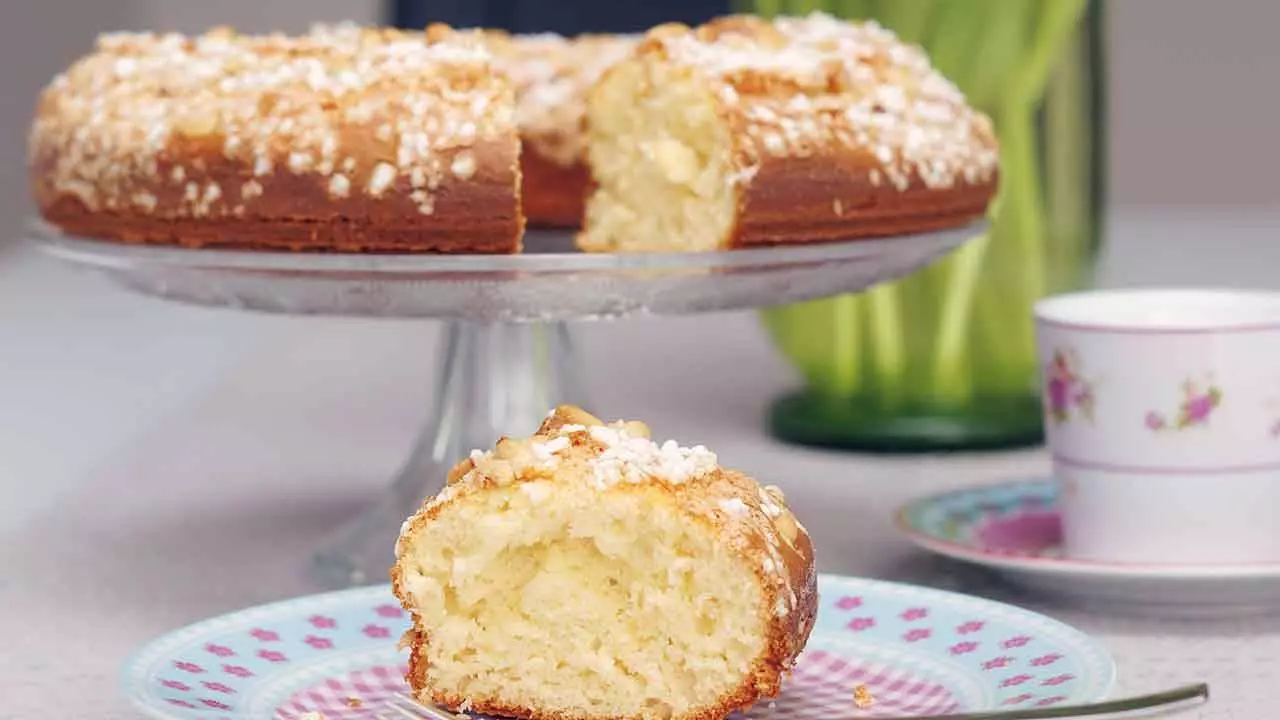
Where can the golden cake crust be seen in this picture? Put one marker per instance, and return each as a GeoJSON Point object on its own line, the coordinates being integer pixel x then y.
{"type": "Point", "coordinates": [754, 521]}
{"type": "Point", "coordinates": [839, 130]}
{"type": "Point", "coordinates": [343, 139]}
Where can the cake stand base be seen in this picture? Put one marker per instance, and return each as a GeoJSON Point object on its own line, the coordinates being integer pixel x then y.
{"type": "Point", "coordinates": [851, 424]}
{"type": "Point", "coordinates": [492, 380]}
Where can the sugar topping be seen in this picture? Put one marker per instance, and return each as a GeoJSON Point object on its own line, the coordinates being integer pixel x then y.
{"type": "Point", "coordinates": [552, 75]}
{"type": "Point", "coordinates": [638, 459]}
{"type": "Point", "coordinates": [547, 451]}
{"type": "Point", "coordinates": [735, 507]}
{"type": "Point", "coordinates": [622, 457]}
{"type": "Point", "coordinates": [803, 83]}
{"type": "Point", "coordinates": [361, 110]}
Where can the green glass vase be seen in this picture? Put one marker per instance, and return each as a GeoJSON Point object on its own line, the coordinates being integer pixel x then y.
{"type": "Point", "coordinates": [945, 359]}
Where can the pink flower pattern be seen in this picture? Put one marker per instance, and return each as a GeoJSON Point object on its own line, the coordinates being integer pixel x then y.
{"type": "Point", "coordinates": [237, 671]}
{"type": "Point", "coordinates": [219, 650]}
{"type": "Point", "coordinates": [1058, 679]}
{"type": "Point", "coordinates": [175, 685]}
{"type": "Point", "coordinates": [180, 703]}
{"type": "Point", "coordinates": [215, 704]}
{"type": "Point", "coordinates": [1044, 660]}
{"type": "Point", "coordinates": [264, 635]}
{"type": "Point", "coordinates": [1015, 680]}
{"type": "Point", "coordinates": [999, 662]}
{"type": "Point", "coordinates": [849, 603]}
{"type": "Point", "coordinates": [188, 667]}
{"type": "Point", "coordinates": [1018, 699]}
{"type": "Point", "coordinates": [963, 648]}
{"type": "Point", "coordinates": [389, 611]}
{"type": "Point", "coordinates": [1045, 702]}
{"type": "Point", "coordinates": [1015, 642]}
{"type": "Point", "coordinates": [1065, 391]}
{"type": "Point", "coordinates": [859, 624]}
{"type": "Point", "coordinates": [321, 622]}
{"type": "Point", "coordinates": [319, 643]}
{"type": "Point", "coordinates": [219, 687]}
{"type": "Point", "coordinates": [375, 631]}
{"type": "Point", "coordinates": [273, 656]}
{"type": "Point", "coordinates": [913, 614]}
{"type": "Point", "coordinates": [917, 634]}
{"type": "Point", "coordinates": [1198, 404]}
{"type": "Point", "coordinates": [972, 626]}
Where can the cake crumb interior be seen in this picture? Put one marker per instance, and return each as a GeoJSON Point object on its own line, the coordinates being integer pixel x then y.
{"type": "Point", "coordinates": [535, 595]}
{"type": "Point", "coordinates": [660, 154]}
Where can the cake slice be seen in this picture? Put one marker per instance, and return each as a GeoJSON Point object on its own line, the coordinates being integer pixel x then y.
{"type": "Point", "coordinates": [588, 573]}
{"type": "Point", "coordinates": [552, 75]}
{"type": "Point", "coordinates": [746, 132]}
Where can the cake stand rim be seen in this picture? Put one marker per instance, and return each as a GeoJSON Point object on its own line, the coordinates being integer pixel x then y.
{"type": "Point", "coordinates": [109, 254]}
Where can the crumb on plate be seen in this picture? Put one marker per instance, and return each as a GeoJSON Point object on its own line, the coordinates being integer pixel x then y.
{"type": "Point", "coordinates": [862, 697]}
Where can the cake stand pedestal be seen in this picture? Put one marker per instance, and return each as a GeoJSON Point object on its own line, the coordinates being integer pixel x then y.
{"type": "Point", "coordinates": [492, 380]}
{"type": "Point", "coordinates": [507, 357]}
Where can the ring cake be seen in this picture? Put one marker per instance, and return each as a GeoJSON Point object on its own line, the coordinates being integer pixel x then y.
{"type": "Point", "coordinates": [588, 573]}
{"type": "Point", "coordinates": [746, 132]}
{"type": "Point", "coordinates": [742, 132]}
{"type": "Point", "coordinates": [344, 139]}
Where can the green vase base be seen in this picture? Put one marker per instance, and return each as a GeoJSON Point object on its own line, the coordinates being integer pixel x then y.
{"type": "Point", "coordinates": [805, 418]}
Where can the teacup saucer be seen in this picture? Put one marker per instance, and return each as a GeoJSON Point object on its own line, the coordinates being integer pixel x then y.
{"type": "Point", "coordinates": [1014, 529]}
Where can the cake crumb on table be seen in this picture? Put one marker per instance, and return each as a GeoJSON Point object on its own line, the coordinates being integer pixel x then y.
{"type": "Point", "coordinates": [354, 702]}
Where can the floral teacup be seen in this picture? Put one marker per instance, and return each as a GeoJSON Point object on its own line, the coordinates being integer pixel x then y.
{"type": "Point", "coordinates": [1162, 410]}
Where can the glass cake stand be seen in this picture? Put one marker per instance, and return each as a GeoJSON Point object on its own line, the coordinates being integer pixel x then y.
{"type": "Point", "coordinates": [507, 358]}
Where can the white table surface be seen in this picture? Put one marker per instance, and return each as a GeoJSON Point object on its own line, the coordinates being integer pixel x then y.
{"type": "Point", "coordinates": [162, 463]}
